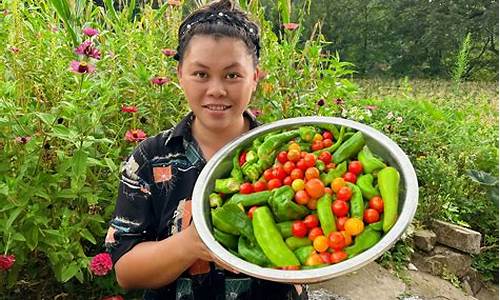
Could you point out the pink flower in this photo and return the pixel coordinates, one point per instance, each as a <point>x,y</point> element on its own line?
<point>371,107</point>
<point>339,101</point>
<point>23,139</point>
<point>14,50</point>
<point>159,80</point>
<point>54,28</point>
<point>81,67</point>
<point>101,264</point>
<point>87,48</point>
<point>135,135</point>
<point>129,109</point>
<point>6,261</point>
<point>256,112</point>
<point>290,26</point>
<point>5,12</point>
<point>115,297</point>
<point>168,52</point>
<point>90,31</point>
<point>174,2</point>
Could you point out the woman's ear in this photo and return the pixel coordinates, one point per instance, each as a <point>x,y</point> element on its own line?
<point>256,77</point>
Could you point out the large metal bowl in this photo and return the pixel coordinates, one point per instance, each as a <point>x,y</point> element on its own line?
<point>220,166</point>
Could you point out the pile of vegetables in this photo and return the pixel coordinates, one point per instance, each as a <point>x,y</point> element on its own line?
<point>304,198</point>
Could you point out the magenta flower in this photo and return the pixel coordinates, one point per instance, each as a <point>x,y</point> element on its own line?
<point>6,262</point>
<point>54,28</point>
<point>87,48</point>
<point>23,139</point>
<point>101,264</point>
<point>321,102</point>
<point>90,31</point>
<point>168,52</point>
<point>371,107</point>
<point>81,67</point>
<point>14,50</point>
<point>114,297</point>
<point>135,135</point>
<point>160,80</point>
<point>339,101</point>
<point>256,112</point>
<point>290,26</point>
<point>129,109</point>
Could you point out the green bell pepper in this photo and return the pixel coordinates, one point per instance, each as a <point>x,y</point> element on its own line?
<point>227,185</point>
<point>362,242</point>
<point>303,253</point>
<point>227,240</point>
<point>258,198</point>
<point>252,252</point>
<point>229,218</point>
<point>339,171</point>
<point>365,184</point>
<point>215,200</point>
<point>369,162</point>
<point>294,242</point>
<point>283,206</point>
<point>285,228</point>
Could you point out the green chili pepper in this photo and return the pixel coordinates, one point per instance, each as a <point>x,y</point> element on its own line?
<point>314,267</point>
<point>304,146</point>
<point>285,228</point>
<point>215,200</point>
<point>236,171</point>
<point>252,252</point>
<point>251,157</point>
<point>339,171</point>
<point>325,214</point>
<point>227,185</point>
<point>320,165</point>
<point>378,226</point>
<point>349,148</point>
<point>369,162</point>
<point>357,204</point>
<point>364,241</point>
<point>307,133</point>
<point>272,143</point>
<point>388,183</point>
<point>333,147</point>
<point>283,206</point>
<point>252,170</point>
<point>303,253</point>
<point>227,240</point>
<point>270,240</point>
<point>231,219</point>
<point>258,198</point>
<point>294,242</point>
<point>332,128</point>
<point>365,184</point>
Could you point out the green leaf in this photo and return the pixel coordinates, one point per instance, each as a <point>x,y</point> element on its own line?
<point>482,177</point>
<point>493,193</point>
<point>79,169</point>
<point>46,118</point>
<point>13,216</point>
<point>85,233</point>
<point>18,237</point>
<point>64,133</point>
<point>32,240</point>
<point>111,164</point>
<point>69,272</point>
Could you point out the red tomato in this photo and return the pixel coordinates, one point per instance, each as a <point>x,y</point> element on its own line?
<point>328,190</point>
<point>311,173</point>
<point>315,188</point>
<point>293,155</point>
<point>315,232</point>
<point>243,158</point>
<point>317,145</point>
<point>297,174</point>
<point>327,135</point>
<point>371,216</point>
<point>288,166</point>
<point>355,167</point>
<point>301,164</point>
<point>310,160</point>
<point>338,256</point>
<point>312,204</point>
<point>326,257</point>
<point>268,174</point>
<point>260,186</point>
<point>274,183</point>
<point>279,172</point>
<point>311,221</point>
<point>299,229</point>
<point>339,222</point>
<point>301,197</point>
<point>325,157</point>
<point>283,157</point>
<point>336,240</point>
<point>376,203</point>
<point>327,143</point>
<point>251,210</point>
<point>340,208</point>
<point>246,188</point>
<point>344,193</point>
<point>303,154</point>
<point>330,166</point>
<point>351,177</point>
<point>287,180</point>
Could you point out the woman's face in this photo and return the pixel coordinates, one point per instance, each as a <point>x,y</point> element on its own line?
<point>218,78</point>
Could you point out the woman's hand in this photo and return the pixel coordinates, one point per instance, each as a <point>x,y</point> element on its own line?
<point>199,248</point>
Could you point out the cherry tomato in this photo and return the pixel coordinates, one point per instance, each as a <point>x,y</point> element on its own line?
<point>317,137</point>
<point>303,154</point>
<point>355,167</point>
<point>293,155</point>
<point>347,237</point>
<point>274,183</point>
<point>344,193</point>
<point>279,172</point>
<point>311,221</point>
<point>312,204</point>
<point>288,166</point>
<point>328,191</point>
<point>371,215</point>
<point>337,184</point>
<point>325,157</point>
<point>268,174</point>
<point>294,146</point>
<point>330,166</point>
<point>327,135</point>
<point>297,174</point>
<point>339,222</point>
<point>321,243</point>
<point>301,164</point>
<point>283,157</point>
<point>313,233</point>
<point>298,184</point>
<point>351,177</point>
<point>326,257</point>
<point>354,226</point>
<point>259,186</point>
<point>310,160</point>
<point>251,210</point>
<point>336,240</point>
<point>290,268</point>
<point>327,143</point>
<point>243,158</point>
<point>299,229</point>
<point>287,181</point>
<point>315,188</point>
<point>314,259</point>
<point>301,197</point>
<point>317,145</point>
<point>340,208</point>
<point>311,173</point>
<point>376,203</point>
<point>246,188</point>
<point>338,256</point>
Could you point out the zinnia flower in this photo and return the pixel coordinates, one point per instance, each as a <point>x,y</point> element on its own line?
<point>23,139</point>
<point>159,80</point>
<point>290,26</point>
<point>5,12</point>
<point>14,50</point>
<point>321,102</point>
<point>174,2</point>
<point>101,264</point>
<point>87,48</point>
<point>135,135</point>
<point>6,261</point>
<point>129,109</point>
<point>339,101</point>
<point>168,52</point>
<point>81,67</point>
<point>90,31</point>
<point>115,297</point>
<point>371,107</point>
<point>256,112</point>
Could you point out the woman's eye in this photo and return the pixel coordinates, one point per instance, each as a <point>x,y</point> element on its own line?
<point>200,74</point>
<point>233,75</point>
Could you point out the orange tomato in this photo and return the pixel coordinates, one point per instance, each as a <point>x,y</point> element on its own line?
<point>315,188</point>
<point>347,238</point>
<point>320,243</point>
<point>293,155</point>
<point>294,146</point>
<point>311,173</point>
<point>354,226</point>
<point>301,197</point>
<point>338,256</point>
<point>314,259</point>
<point>312,204</point>
<point>337,183</point>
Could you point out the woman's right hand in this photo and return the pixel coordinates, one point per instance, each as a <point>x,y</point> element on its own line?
<point>199,248</point>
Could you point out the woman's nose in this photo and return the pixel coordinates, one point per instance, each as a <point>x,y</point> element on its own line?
<point>216,89</point>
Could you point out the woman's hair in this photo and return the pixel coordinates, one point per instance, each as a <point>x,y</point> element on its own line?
<point>220,19</point>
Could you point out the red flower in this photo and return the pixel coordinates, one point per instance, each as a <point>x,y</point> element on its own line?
<point>174,2</point>
<point>135,135</point>
<point>90,31</point>
<point>339,101</point>
<point>81,67</point>
<point>14,50</point>
<point>115,297</point>
<point>159,80</point>
<point>129,109</point>
<point>101,264</point>
<point>371,107</point>
<point>290,26</point>
<point>23,139</point>
<point>6,261</point>
<point>87,48</point>
<point>256,112</point>
<point>168,52</point>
